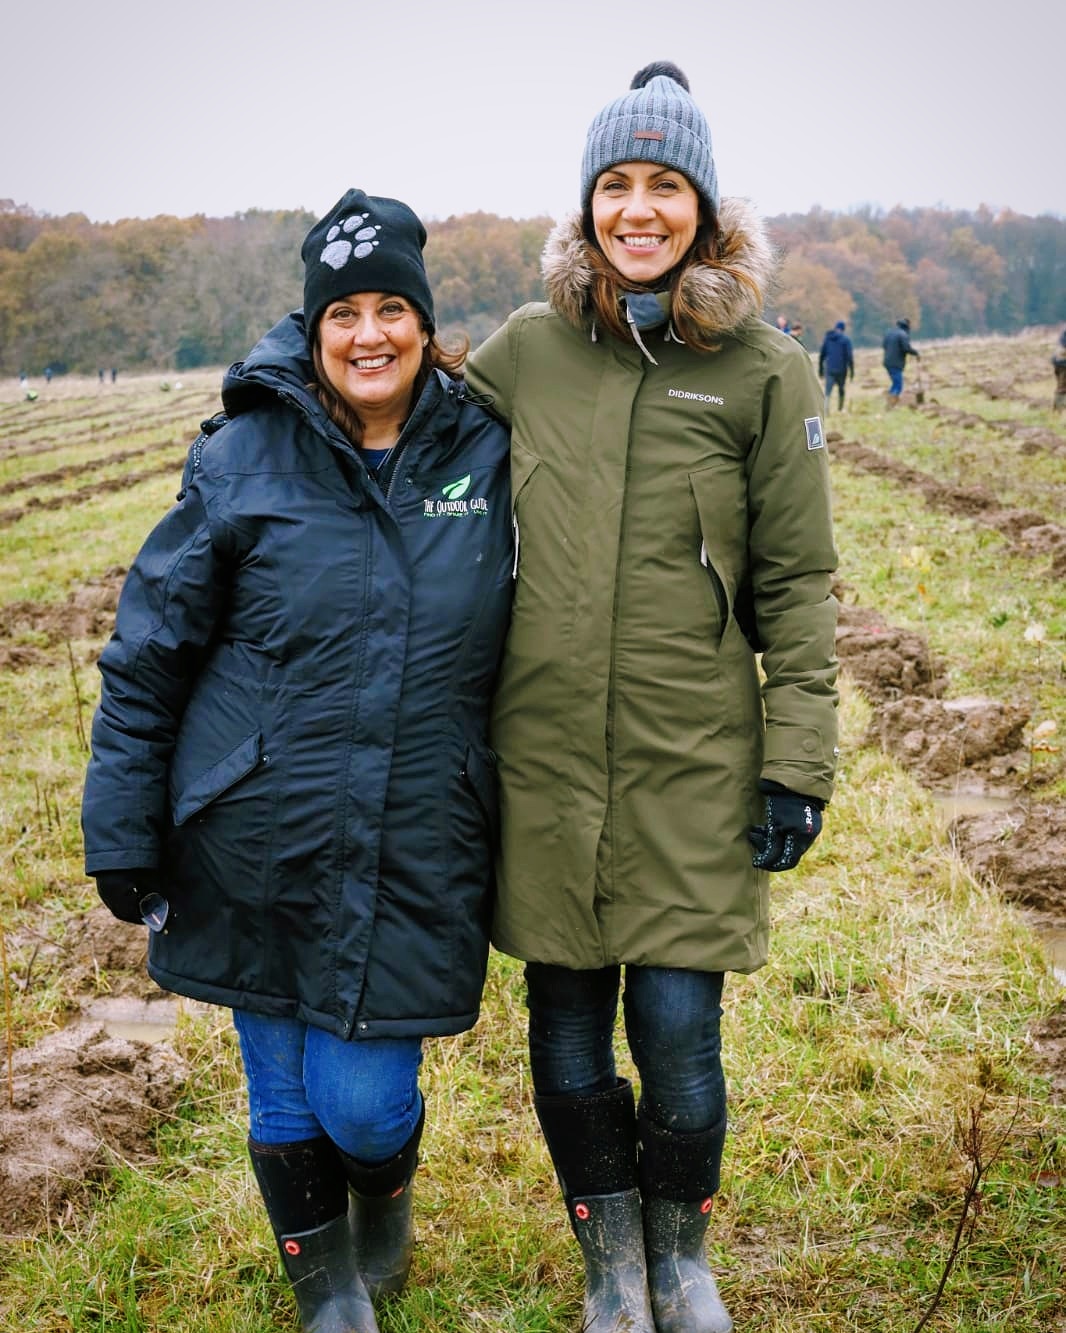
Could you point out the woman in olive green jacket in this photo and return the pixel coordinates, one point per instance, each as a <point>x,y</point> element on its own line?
<point>672,517</point>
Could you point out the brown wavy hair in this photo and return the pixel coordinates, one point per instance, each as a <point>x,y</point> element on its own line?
<point>436,355</point>
<point>708,250</point>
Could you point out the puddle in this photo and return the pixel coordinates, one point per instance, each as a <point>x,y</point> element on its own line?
<point>1053,938</point>
<point>136,1020</point>
<point>954,804</point>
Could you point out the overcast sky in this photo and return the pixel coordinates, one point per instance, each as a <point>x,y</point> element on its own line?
<point>129,108</point>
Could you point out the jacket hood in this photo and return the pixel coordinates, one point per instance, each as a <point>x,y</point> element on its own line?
<point>723,297</point>
<point>280,362</point>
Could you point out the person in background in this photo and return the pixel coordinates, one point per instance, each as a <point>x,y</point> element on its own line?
<point>290,777</point>
<point>796,331</point>
<point>1058,361</point>
<point>836,363</point>
<point>672,511</point>
<point>897,347</point>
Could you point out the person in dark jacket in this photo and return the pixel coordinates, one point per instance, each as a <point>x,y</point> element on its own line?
<point>672,502</point>
<point>1058,361</point>
<point>290,778</point>
<point>897,347</point>
<point>836,363</point>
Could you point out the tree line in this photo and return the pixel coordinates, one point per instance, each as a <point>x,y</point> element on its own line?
<point>175,293</point>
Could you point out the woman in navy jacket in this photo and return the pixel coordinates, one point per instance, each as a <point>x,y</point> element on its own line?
<point>290,779</point>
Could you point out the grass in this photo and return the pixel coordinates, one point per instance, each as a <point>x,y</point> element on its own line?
<point>896,1006</point>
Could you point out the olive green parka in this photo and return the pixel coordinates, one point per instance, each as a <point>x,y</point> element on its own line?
<point>671,509</point>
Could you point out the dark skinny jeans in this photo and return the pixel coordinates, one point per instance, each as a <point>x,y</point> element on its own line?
<point>672,1024</point>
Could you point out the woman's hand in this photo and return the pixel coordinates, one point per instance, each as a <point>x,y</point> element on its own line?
<point>122,892</point>
<point>792,823</point>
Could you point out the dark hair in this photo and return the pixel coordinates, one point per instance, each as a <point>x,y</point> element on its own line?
<point>436,355</point>
<point>708,250</point>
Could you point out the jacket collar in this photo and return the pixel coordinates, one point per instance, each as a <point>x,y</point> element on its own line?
<point>723,298</point>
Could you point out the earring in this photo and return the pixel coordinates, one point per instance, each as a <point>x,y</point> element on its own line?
<point>425,340</point>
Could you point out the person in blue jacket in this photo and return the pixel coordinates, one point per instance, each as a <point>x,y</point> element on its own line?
<point>836,363</point>
<point>290,778</point>
<point>897,347</point>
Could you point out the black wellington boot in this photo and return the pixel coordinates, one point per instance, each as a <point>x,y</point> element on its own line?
<point>306,1198</point>
<point>379,1214</point>
<point>592,1139</point>
<point>678,1176</point>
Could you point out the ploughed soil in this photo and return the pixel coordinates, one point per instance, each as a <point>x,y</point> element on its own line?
<point>974,751</point>
<point>81,1098</point>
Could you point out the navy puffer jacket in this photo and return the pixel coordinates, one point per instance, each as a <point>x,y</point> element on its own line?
<point>836,356</point>
<point>293,720</point>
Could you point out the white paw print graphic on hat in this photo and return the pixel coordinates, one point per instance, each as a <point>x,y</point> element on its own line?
<point>339,249</point>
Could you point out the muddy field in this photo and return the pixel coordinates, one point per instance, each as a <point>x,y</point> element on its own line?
<point>93,1089</point>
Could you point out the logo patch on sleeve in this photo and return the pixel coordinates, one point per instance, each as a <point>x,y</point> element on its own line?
<point>815,433</point>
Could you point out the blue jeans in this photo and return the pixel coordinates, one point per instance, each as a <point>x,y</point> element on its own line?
<point>672,1022</point>
<point>895,386</point>
<point>304,1082</point>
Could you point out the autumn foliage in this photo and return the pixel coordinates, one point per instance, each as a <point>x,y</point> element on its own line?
<point>175,293</point>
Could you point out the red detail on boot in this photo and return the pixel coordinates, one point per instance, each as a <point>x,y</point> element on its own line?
<point>581,1211</point>
<point>705,1206</point>
<point>292,1247</point>
<point>396,1193</point>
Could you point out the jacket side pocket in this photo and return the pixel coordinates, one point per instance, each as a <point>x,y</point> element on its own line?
<point>209,785</point>
<point>523,466</point>
<point>720,495</point>
<point>480,773</point>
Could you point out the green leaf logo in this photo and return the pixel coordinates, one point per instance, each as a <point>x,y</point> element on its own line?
<point>455,489</point>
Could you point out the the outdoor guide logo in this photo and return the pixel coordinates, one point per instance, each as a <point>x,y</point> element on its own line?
<point>454,503</point>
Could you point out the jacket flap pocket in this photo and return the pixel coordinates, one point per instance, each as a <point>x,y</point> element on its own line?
<point>523,465</point>
<point>212,782</point>
<point>721,497</point>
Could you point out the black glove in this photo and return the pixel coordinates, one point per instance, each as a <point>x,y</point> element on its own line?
<point>122,891</point>
<point>792,824</point>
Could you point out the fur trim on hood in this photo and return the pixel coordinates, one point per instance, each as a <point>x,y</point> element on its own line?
<point>723,299</point>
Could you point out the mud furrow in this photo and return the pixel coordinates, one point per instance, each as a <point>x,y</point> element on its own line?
<point>188,415</point>
<point>83,493</point>
<point>1029,532</point>
<point>36,479</point>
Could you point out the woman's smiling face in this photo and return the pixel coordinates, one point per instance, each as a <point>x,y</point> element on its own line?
<point>645,218</point>
<point>371,345</point>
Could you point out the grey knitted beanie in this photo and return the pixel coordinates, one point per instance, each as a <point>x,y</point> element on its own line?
<point>656,121</point>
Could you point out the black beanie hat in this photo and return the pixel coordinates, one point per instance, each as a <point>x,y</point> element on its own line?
<point>365,244</point>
